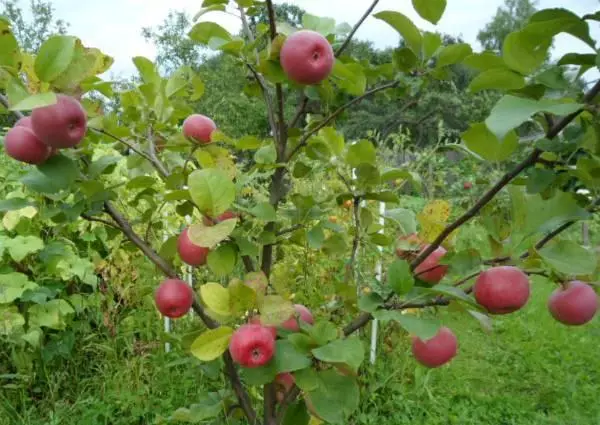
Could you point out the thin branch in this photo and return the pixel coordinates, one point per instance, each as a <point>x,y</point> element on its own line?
<point>299,110</point>
<point>339,111</point>
<point>6,104</point>
<point>100,220</point>
<point>268,101</point>
<point>272,21</point>
<point>158,164</point>
<point>289,230</point>
<point>356,27</point>
<point>356,239</point>
<point>189,158</point>
<point>504,181</point>
<point>289,398</point>
<point>238,388</point>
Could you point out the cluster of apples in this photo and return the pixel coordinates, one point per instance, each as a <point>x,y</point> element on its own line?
<point>500,290</point>
<point>36,138</point>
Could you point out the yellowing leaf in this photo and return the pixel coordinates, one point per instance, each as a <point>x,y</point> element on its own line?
<point>211,344</point>
<point>216,298</point>
<point>12,218</point>
<point>274,310</point>
<point>433,219</point>
<point>210,236</point>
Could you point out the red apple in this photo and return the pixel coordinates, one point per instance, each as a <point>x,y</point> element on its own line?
<point>574,305</point>
<point>227,215</point>
<point>199,128</point>
<point>467,185</point>
<point>430,270</point>
<point>60,125</point>
<point>305,315</point>
<point>436,351</point>
<point>502,289</point>
<point>283,383</point>
<point>23,122</point>
<point>23,145</point>
<point>252,346</point>
<point>408,244</point>
<point>174,298</point>
<point>255,320</point>
<point>307,57</point>
<point>190,253</point>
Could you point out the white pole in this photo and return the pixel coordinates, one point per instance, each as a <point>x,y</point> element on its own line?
<point>167,320</point>
<point>189,277</point>
<point>379,272</point>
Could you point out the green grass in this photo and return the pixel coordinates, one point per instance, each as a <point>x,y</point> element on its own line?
<point>530,371</point>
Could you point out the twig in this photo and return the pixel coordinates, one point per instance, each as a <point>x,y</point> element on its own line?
<point>335,114</point>
<point>238,388</point>
<point>289,398</point>
<point>356,239</point>
<point>263,87</point>
<point>299,110</point>
<point>505,180</point>
<point>100,220</point>
<point>158,164</point>
<point>6,104</point>
<point>356,27</point>
<point>189,158</point>
<point>289,230</point>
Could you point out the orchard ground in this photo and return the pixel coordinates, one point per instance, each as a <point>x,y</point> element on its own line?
<point>529,371</point>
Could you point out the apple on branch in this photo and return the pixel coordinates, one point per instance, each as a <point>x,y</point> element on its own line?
<point>435,351</point>
<point>22,144</point>
<point>574,304</point>
<point>502,289</point>
<point>174,298</point>
<point>306,316</point>
<point>199,128</point>
<point>430,270</point>
<point>60,125</point>
<point>252,345</point>
<point>307,57</point>
<point>189,252</point>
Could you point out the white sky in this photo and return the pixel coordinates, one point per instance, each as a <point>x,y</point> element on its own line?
<point>115,26</point>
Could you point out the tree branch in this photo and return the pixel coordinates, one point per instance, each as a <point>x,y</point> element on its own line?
<point>238,388</point>
<point>356,27</point>
<point>158,164</point>
<point>335,114</point>
<point>289,398</point>
<point>504,181</point>
<point>100,220</point>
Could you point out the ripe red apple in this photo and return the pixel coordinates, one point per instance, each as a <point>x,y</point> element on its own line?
<point>60,125</point>
<point>574,305</point>
<point>199,128</point>
<point>502,289</point>
<point>467,185</point>
<point>412,240</point>
<point>174,298</point>
<point>307,57</point>
<point>283,383</point>
<point>436,351</point>
<point>227,215</point>
<point>252,345</point>
<point>23,122</point>
<point>305,315</point>
<point>255,320</point>
<point>23,145</point>
<point>189,253</point>
<point>430,270</point>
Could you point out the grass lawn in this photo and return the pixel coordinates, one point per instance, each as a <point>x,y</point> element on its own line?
<point>531,370</point>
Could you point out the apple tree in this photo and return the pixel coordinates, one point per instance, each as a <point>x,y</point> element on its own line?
<point>232,208</point>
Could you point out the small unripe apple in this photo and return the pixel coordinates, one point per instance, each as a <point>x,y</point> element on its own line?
<point>467,185</point>
<point>62,124</point>
<point>291,324</point>
<point>199,128</point>
<point>430,270</point>
<point>174,298</point>
<point>252,346</point>
<point>436,351</point>
<point>348,203</point>
<point>307,57</point>
<point>255,320</point>
<point>190,253</point>
<point>23,145</point>
<point>574,305</point>
<point>283,383</point>
<point>502,289</point>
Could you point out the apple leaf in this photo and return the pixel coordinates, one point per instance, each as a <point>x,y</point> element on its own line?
<point>322,332</point>
<point>348,351</point>
<point>212,190</point>
<point>350,77</point>
<point>569,258</point>
<point>257,281</point>
<point>288,359</point>
<point>404,26</point>
<point>13,285</point>
<point>296,414</point>
<point>400,277</point>
<point>335,396</point>
<point>324,26</point>
<point>35,101</point>
<point>483,142</point>
<point>264,211</point>
<point>430,10</point>
<point>525,53</point>
<point>362,152</point>
<point>54,57</point>
<point>56,174</point>
<point>274,310</point>
<point>453,54</point>
<point>222,261</point>
<point>483,61</point>
<point>10,54</point>
<point>423,328</point>
<point>216,298</point>
<point>211,343</point>
<point>370,302</point>
<point>404,218</point>
<point>497,78</point>
<point>21,246</point>
<point>210,34</point>
<point>210,236</point>
<point>12,204</point>
<point>241,297</point>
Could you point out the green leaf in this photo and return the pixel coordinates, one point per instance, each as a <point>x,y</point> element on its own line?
<point>333,139</point>
<point>140,182</point>
<point>348,351</point>
<point>21,246</point>
<point>569,258</point>
<point>421,327</point>
<point>210,236</point>
<point>274,310</point>
<point>385,196</point>
<point>56,174</point>
<point>512,111</point>
<point>216,298</point>
<point>52,314</point>
<point>257,281</point>
<point>484,61</point>
<point>370,302</point>
<point>453,54</point>
<point>404,26</point>
<point>210,34</point>
<point>11,321</point>
<point>335,396</point>
<point>35,101</point>
<point>222,260</point>
<point>431,43</point>
<point>288,358</point>
<point>322,331</point>
<point>266,155</point>
<point>405,218</point>
<point>264,211</point>
<point>147,70</point>
<point>400,277</point>
<point>212,190</point>
<point>324,26</point>
<point>12,204</point>
<point>104,165</point>
<point>316,237</point>
<point>211,343</point>
<point>248,143</point>
<point>10,54</point>
<point>452,292</point>
<point>296,414</point>
<point>242,297</point>
<point>404,59</point>
<point>349,77</point>
<point>54,57</point>
<point>13,285</point>
<point>523,52</point>
<point>483,142</point>
<point>547,23</point>
<point>361,152</point>
<point>430,10</point>
<point>498,79</point>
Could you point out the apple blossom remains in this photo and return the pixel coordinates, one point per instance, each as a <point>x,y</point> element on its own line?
<point>307,365</point>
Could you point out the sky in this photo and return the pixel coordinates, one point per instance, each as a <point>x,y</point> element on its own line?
<point>114,26</point>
